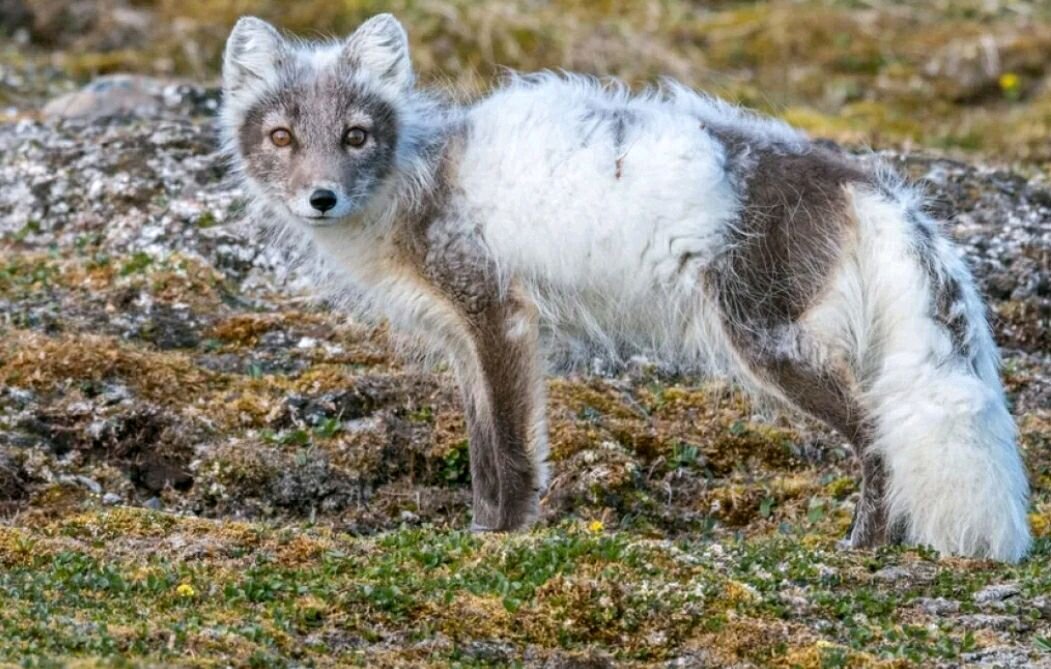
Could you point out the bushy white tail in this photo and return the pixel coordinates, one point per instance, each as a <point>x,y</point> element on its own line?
<point>939,417</point>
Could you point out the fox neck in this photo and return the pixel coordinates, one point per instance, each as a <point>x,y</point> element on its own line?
<point>429,134</point>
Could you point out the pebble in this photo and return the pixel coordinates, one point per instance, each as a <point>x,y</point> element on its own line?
<point>937,606</point>
<point>82,481</point>
<point>997,623</point>
<point>996,593</point>
<point>891,574</point>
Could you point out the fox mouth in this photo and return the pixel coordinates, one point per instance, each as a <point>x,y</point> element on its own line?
<point>321,221</point>
<point>318,220</point>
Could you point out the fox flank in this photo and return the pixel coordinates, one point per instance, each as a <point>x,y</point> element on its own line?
<point>562,217</point>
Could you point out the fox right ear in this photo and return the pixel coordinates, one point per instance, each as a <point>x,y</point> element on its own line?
<point>381,46</point>
<point>254,52</point>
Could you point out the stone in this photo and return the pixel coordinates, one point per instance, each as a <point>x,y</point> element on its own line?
<point>132,95</point>
<point>937,606</point>
<point>996,594</point>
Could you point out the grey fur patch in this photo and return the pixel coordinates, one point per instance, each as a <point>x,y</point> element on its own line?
<point>951,313</point>
<point>949,309</point>
<point>789,233</point>
<point>455,264</point>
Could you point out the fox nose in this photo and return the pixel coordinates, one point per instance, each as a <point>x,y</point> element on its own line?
<point>323,200</point>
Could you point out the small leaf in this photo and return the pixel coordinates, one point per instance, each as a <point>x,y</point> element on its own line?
<point>766,507</point>
<point>816,510</point>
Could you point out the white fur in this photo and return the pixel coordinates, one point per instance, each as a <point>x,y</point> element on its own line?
<point>250,62</point>
<point>599,254</point>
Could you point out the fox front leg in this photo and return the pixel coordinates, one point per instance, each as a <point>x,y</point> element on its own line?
<point>502,384</point>
<point>493,342</point>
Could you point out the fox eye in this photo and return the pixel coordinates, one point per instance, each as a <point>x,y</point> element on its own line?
<point>281,137</point>
<point>355,137</point>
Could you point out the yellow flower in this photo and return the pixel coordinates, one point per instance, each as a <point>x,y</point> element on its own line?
<point>1041,523</point>
<point>596,526</point>
<point>1009,82</point>
<point>185,590</point>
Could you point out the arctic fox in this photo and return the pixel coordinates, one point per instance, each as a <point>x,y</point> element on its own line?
<point>561,210</point>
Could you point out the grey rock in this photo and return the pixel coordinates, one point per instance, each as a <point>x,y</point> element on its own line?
<point>90,484</point>
<point>892,574</point>
<point>993,622</point>
<point>694,659</point>
<point>1042,605</point>
<point>488,651</point>
<point>577,660</point>
<point>112,499</point>
<point>115,95</point>
<point>12,487</point>
<point>170,328</point>
<point>81,481</point>
<point>1003,657</point>
<point>17,397</point>
<point>275,339</point>
<point>996,594</point>
<point>225,363</point>
<point>132,95</point>
<point>937,606</point>
<point>14,15</point>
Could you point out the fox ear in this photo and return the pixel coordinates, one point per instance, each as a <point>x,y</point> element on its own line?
<point>254,52</point>
<point>381,47</point>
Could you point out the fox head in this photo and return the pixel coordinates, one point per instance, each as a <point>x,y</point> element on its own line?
<point>314,128</point>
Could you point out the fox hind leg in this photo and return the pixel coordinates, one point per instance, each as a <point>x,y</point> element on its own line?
<point>826,392</point>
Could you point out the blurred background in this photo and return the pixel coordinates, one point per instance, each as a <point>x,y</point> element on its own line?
<point>962,76</point>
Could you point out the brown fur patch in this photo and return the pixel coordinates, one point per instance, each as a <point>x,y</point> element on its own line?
<point>789,235</point>
<point>501,439</point>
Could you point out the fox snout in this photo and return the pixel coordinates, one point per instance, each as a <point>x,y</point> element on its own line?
<point>320,200</point>
<point>323,199</point>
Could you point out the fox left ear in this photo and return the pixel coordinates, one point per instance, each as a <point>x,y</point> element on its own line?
<point>381,46</point>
